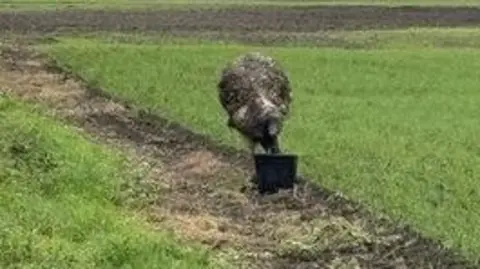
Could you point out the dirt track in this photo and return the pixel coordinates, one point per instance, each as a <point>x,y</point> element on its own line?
<point>199,190</point>
<point>298,19</point>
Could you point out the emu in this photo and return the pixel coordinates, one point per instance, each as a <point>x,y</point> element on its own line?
<point>256,94</point>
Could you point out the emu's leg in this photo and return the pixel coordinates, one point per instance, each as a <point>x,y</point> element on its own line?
<point>275,149</point>
<point>270,144</point>
<point>253,146</point>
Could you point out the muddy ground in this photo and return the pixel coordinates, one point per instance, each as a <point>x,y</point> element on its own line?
<point>281,19</point>
<point>194,186</point>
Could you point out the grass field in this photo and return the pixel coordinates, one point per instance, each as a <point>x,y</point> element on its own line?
<point>394,128</point>
<point>60,202</point>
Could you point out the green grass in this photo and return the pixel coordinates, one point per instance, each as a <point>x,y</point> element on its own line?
<point>396,129</point>
<point>128,4</point>
<point>57,202</point>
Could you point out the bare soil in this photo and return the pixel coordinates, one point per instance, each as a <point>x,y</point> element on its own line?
<point>195,187</point>
<point>278,19</point>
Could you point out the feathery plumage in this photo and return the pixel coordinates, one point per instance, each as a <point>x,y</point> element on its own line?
<point>256,94</point>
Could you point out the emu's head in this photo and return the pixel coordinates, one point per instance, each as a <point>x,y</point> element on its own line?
<point>272,116</point>
<point>273,125</point>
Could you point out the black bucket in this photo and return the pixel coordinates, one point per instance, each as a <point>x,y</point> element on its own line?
<point>275,171</point>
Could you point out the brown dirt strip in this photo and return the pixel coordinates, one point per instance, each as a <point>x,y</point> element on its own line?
<point>193,187</point>
<point>275,18</point>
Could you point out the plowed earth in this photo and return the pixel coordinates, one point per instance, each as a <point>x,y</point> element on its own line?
<point>193,187</point>
<point>297,19</point>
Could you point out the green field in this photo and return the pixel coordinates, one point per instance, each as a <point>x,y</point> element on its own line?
<point>394,128</point>
<point>61,205</point>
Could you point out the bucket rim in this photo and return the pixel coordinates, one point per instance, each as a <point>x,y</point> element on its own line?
<point>276,155</point>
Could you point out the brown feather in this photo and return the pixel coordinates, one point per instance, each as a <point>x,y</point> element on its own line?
<point>256,94</point>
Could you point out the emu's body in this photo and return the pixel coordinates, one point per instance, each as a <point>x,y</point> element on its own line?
<point>256,94</point>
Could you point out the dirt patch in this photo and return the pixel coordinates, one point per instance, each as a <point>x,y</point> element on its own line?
<point>199,163</point>
<point>274,18</point>
<point>192,187</point>
<point>264,25</point>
